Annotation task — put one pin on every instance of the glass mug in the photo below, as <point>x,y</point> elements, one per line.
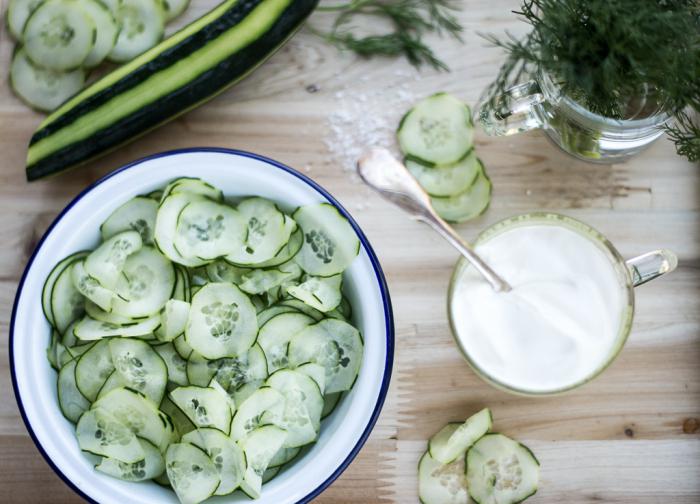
<point>631,273</point>
<point>540,103</point>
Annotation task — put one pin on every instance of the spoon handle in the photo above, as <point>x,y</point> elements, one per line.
<point>384,173</point>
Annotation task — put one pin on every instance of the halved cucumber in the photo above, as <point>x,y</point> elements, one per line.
<point>152,465</point>
<point>204,406</point>
<point>106,262</point>
<point>105,34</point>
<point>501,471</point>
<point>18,12</point>
<point>91,289</point>
<point>70,400</point>
<point>437,130</point>
<point>139,367</point>
<point>93,369</point>
<point>222,321</point>
<point>142,24</point>
<point>260,446</point>
<point>173,319</point>
<point>59,35</point>
<point>191,472</point>
<point>334,344</point>
<point>275,335</point>
<point>265,405</point>
<point>330,243</point>
<point>440,483</point>
<point>322,293</point>
<point>207,230</point>
<point>446,180</point>
<point>468,204</point>
<point>138,214</point>
<point>453,440</point>
<point>42,88</point>
<point>177,366</point>
<point>101,433</point>
<point>224,452</point>
<point>51,280</point>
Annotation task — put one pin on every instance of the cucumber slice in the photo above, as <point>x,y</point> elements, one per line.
<point>268,313</point>
<point>330,401</point>
<point>173,319</point>
<point>98,313</point>
<point>51,281</point>
<point>67,304</point>
<point>93,369</point>
<point>283,456</point>
<point>173,8</point>
<point>105,34</point>
<point>166,226</point>
<point>268,231</point>
<point>101,433</point>
<point>275,335</point>
<point>437,130</point>
<point>260,447</point>
<point>265,405</point>
<point>207,230</point>
<point>182,348</point>
<point>91,289</point>
<point>41,88</point>
<point>51,350</point>
<point>330,242</point>
<point>182,424</point>
<point>152,465</point>
<point>59,35</point>
<point>259,281</point>
<point>319,292</point>
<point>468,204</point>
<point>113,382</point>
<point>334,344</point>
<point>138,413</point>
<point>89,329</point>
<point>271,472</point>
<point>139,367</point>
<point>441,483</point>
<point>182,284</point>
<point>316,372</point>
<point>137,214</point>
<point>453,440</point>
<point>302,409</point>
<point>177,366</point>
<point>146,284</point>
<point>290,250</point>
<point>240,377</point>
<point>501,471</point>
<point>222,322</point>
<point>446,180</point>
<point>142,24</point>
<point>203,406</point>
<point>191,472</point>
<point>302,307</point>
<point>225,453</point>
<point>221,271</point>
<point>18,12</point>
<point>106,262</point>
<point>193,186</point>
<point>72,403</point>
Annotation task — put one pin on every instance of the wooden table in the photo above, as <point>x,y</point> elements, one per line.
<point>630,436</point>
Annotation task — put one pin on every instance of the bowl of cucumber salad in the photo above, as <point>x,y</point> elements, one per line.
<point>201,325</point>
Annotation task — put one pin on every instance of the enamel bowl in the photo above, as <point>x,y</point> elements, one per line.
<point>77,227</point>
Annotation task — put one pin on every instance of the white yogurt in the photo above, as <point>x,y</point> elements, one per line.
<point>560,322</point>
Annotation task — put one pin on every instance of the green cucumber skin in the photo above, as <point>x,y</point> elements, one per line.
<point>152,114</point>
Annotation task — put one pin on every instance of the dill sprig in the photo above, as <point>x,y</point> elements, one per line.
<point>609,53</point>
<point>410,20</point>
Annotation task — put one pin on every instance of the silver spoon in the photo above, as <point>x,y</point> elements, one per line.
<point>390,178</point>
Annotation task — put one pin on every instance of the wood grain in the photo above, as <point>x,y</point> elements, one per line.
<point>619,439</point>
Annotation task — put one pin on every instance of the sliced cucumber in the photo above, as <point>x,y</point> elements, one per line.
<point>101,433</point>
<point>501,471</point>
<point>91,289</point>
<point>275,335</point>
<point>18,12</point>
<point>152,466</point>
<point>137,214</point>
<point>173,8</point>
<point>265,405</point>
<point>271,472</point>
<point>268,231</point>
<point>166,226</point>
<point>330,401</point>
<point>193,186</point>
<point>191,472</point>
<point>207,230</point>
<point>260,447</point>
<point>59,35</point>
<point>268,313</point>
<point>437,130</point>
<point>221,271</point>
<point>177,366</point>
<point>453,440</point>
<point>98,313</point>
<point>225,453</point>
<point>51,281</point>
<point>440,483</point>
<point>296,240</point>
<point>182,424</point>
<point>334,344</point>
<point>142,25</point>
<point>89,329</point>
<point>259,281</point>
<point>222,322</point>
<point>242,376</point>
<point>139,367</point>
<point>41,88</point>
<point>106,262</point>
<point>330,242</point>
<point>283,456</point>
<point>316,372</point>
<point>319,292</point>
<point>182,348</point>
<point>468,204</point>
<point>67,304</point>
<point>70,400</point>
<point>446,180</point>
<point>182,290</point>
<point>203,406</point>
<point>302,307</point>
<point>303,406</point>
<point>105,34</point>
<point>93,369</point>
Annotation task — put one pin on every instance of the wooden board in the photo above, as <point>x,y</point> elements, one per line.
<point>619,439</point>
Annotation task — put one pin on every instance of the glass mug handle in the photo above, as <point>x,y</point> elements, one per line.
<point>648,266</point>
<point>512,112</point>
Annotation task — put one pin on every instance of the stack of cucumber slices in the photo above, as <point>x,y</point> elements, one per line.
<point>60,41</point>
<point>467,460</point>
<point>203,341</point>
<point>437,139</point>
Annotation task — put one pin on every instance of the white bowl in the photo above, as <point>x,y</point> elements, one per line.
<point>76,228</point>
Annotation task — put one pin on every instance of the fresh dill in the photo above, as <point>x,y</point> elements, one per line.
<point>409,21</point>
<point>609,53</point>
